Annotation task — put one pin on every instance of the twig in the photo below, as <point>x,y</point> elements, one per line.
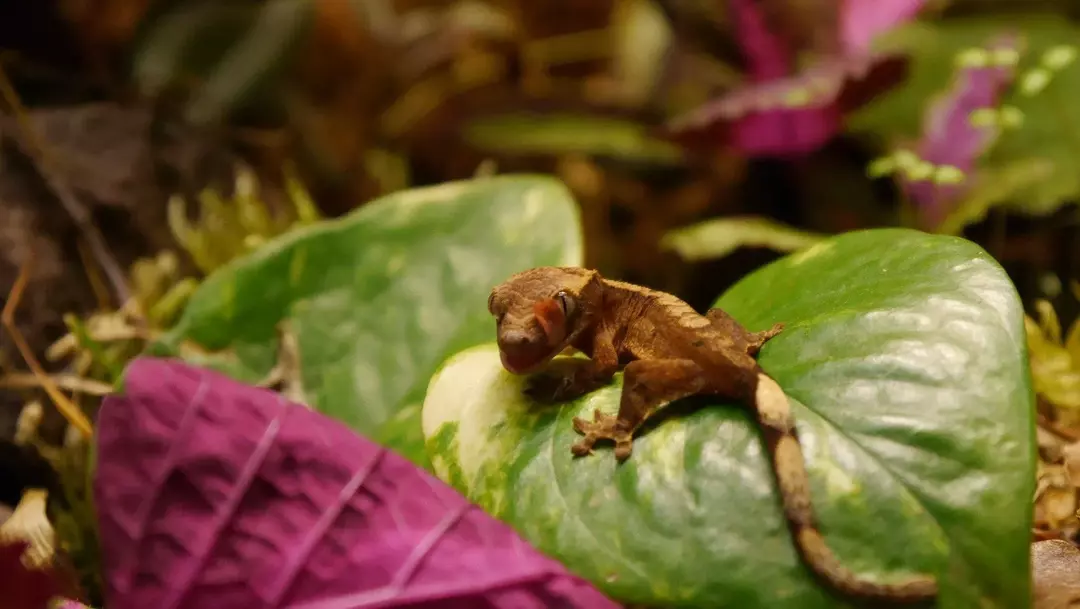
<point>69,382</point>
<point>66,407</point>
<point>101,291</point>
<point>26,139</point>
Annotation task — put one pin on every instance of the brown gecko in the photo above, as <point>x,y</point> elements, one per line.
<point>667,351</point>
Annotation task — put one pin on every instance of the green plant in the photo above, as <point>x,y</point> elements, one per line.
<point>377,299</point>
<point>1029,168</point>
<point>905,360</point>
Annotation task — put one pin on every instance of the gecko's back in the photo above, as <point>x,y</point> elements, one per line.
<point>662,326</point>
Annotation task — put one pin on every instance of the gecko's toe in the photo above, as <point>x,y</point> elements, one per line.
<point>602,427</point>
<point>584,447</point>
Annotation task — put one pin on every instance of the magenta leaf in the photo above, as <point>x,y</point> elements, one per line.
<point>950,138</point>
<point>862,20</point>
<point>212,494</point>
<point>778,113</point>
<point>793,115</point>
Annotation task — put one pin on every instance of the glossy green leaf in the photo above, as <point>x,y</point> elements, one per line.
<point>905,361</point>
<point>377,299</point>
<point>1048,132</point>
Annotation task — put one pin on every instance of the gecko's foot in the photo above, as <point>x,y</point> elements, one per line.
<point>602,427</point>
<point>763,337</point>
<point>758,339</point>
<point>773,331</point>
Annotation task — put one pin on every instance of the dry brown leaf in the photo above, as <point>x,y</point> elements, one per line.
<point>1055,509</point>
<point>1071,457</point>
<point>1050,445</point>
<point>29,524</point>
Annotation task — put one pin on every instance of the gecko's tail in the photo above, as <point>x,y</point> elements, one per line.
<point>778,426</point>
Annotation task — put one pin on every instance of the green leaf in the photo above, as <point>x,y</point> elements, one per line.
<point>904,357</point>
<point>993,188</point>
<point>568,133</point>
<point>377,299</point>
<point>1049,130</point>
<point>719,237</point>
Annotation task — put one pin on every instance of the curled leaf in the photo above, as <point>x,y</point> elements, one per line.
<point>526,133</point>
<point>212,493</point>
<point>719,237</point>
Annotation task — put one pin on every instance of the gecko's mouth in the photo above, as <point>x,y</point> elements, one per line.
<point>522,362</point>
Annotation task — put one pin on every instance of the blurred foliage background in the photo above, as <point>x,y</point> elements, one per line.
<point>147,142</point>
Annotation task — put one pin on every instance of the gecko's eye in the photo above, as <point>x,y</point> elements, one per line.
<point>567,302</point>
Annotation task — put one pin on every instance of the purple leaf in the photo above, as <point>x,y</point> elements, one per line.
<point>792,115</point>
<point>780,114</point>
<point>215,495</point>
<point>949,138</point>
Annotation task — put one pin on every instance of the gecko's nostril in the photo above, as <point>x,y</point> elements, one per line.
<point>514,338</point>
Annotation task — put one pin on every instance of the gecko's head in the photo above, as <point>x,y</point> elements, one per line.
<point>540,311</point>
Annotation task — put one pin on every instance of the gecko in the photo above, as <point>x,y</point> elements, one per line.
<point>667,351</point>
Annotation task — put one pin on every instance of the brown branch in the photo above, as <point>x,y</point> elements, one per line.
<point>68,382</point>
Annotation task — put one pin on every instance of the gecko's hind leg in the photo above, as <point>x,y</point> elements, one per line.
<point>648,385</point>
<point>726,323</point>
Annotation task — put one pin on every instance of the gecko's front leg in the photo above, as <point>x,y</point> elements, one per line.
<point>648,386</point>
<point>567,379</point>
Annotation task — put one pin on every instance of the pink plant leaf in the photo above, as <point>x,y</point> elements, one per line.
<point>778,113</point>
<point>862,20</point>
<point>212,494</point>
<point>949,138</point>
<point>793,115</point>
<point>836,27</point>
